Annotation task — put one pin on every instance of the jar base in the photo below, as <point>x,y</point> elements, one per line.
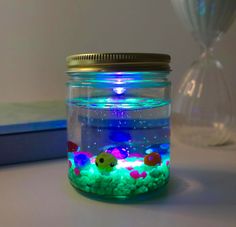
<point>132,198</point>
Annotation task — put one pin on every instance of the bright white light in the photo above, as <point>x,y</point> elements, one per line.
<point>119,90</point>
<point>119,81</point>
<point>125,164</point>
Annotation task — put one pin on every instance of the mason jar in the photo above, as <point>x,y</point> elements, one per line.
<point>118,124</point>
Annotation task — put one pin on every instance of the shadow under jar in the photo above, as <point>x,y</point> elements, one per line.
<point>118,124</point>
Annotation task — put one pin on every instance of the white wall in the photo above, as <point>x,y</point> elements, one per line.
<point>37,35</point>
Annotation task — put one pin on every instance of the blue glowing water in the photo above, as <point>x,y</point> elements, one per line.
<point>119,102</point>
<point>139,125</point>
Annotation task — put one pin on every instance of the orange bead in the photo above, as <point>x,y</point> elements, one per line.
<point>152,159</point>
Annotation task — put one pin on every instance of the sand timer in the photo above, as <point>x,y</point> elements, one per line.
<point>202,107</point>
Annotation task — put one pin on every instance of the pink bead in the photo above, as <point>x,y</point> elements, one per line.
<point>135,174</point>
<point>143,174</point>
<point>119,153</point>
<point>129,168</point>
<point>137,155</point>
<point>77,171</point>
<point>167,163</point>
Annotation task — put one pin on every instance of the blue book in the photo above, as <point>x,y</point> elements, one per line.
<point>42,137</point>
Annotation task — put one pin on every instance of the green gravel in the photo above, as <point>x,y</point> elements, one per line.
<point>119,183</point>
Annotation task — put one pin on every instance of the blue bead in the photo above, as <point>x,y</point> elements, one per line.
<point>120,136</point>
<point>165,146</point>
<point>81,160</point>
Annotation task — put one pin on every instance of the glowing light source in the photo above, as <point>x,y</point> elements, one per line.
<point>124,164</point>
<point>119,90</point>
<point>119,81</point>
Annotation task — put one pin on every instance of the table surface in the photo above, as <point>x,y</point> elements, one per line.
<point>201,192</point>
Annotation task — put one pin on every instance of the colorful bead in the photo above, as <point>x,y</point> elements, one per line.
<point>135,174</point>
<point>77,172</point>
<point>118,152</point>
<point>69,164</point>
<point>120,136</point>
<point>72,146</point>
<point>81,159</point>
<point>105,162</point>
<point>137,155</point>
<point>143,174</point>
<point>152,159</point>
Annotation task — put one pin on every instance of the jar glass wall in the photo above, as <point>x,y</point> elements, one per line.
<point>118,132</point>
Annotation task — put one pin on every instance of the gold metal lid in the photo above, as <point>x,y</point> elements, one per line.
<point>107,62</point>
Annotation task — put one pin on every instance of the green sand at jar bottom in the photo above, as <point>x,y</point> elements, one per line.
<point>120,183</point>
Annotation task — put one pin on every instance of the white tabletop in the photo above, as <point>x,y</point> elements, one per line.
<point>201,192</point>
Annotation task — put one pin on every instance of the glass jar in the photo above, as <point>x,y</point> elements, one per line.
<point>118,123</point>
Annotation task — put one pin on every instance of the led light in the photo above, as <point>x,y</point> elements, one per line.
<point>119,90</point>
<point>124,164</point>
<point>119,81</point>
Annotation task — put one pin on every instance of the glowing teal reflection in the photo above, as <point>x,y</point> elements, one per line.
<point>116,79</point>
<point>128,103</point>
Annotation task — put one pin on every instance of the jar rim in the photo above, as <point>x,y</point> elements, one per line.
<point>108,62</point>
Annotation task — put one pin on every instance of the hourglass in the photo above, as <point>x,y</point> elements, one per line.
<point>202,107</point>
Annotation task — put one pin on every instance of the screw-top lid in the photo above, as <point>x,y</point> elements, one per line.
<point>106,62</point>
